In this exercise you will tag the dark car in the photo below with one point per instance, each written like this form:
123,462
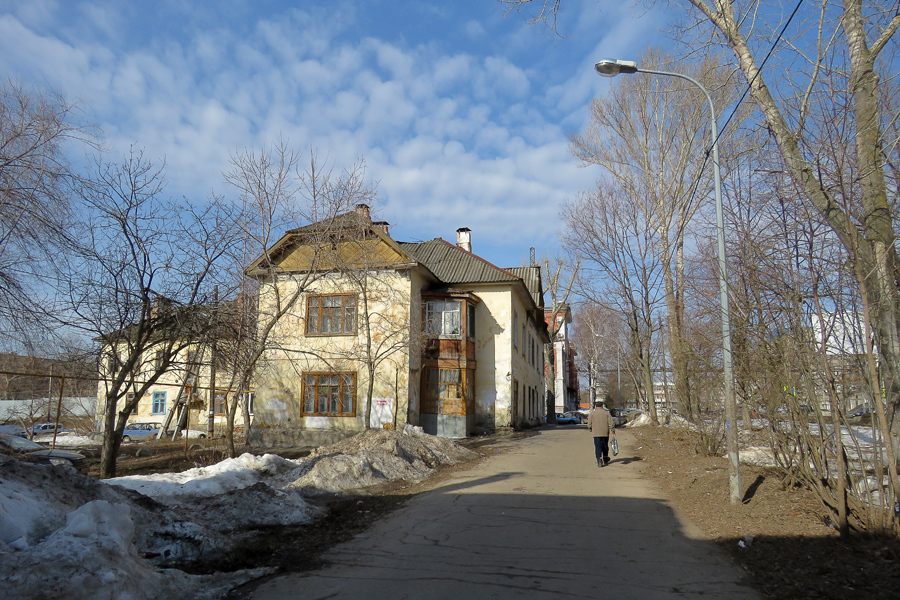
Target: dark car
563,419
861,412
25,448
16,430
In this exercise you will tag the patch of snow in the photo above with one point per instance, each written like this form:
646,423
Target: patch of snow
66,440
754,455
642,420
93,557
62,533
230,474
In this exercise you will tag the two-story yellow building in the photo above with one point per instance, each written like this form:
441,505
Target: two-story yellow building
388,333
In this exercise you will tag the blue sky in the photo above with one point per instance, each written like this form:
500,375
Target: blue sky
460,114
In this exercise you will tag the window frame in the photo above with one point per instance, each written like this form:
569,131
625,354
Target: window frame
345,380
223,394
448,384
158,399
432,316
346,321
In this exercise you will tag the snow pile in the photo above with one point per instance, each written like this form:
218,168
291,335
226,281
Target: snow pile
65,535
642,420
230,474
66,440
755,455
93,556
376,457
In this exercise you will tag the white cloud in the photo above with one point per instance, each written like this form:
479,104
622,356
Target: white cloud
470,135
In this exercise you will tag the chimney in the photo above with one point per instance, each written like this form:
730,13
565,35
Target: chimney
464,238
383,226
362,210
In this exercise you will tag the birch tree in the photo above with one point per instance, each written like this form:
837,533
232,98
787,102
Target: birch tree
649,134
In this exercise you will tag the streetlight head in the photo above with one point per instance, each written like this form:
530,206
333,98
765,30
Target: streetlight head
610,67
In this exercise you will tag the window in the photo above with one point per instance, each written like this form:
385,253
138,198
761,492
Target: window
159,403
515,330
331,315
470,321
443,391
442,318
329,394
219,403
250,397
523,339
158,360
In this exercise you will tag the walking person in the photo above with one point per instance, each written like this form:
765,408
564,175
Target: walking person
601,425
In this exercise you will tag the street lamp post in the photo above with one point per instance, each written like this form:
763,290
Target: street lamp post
611,68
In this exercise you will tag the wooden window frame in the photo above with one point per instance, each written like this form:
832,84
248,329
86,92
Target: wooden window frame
453,382
311,398
430,318
223,394
316,314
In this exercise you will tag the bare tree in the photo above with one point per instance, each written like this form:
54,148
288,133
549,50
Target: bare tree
138,283
560,281
619,269
36,183
648,133
275,192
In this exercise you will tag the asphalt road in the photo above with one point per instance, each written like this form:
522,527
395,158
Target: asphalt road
537,519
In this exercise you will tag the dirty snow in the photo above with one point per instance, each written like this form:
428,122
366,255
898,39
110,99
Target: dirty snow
64,535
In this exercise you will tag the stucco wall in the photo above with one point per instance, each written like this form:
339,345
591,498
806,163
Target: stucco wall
278,398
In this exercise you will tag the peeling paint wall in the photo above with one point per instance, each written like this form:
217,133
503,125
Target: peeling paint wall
279,403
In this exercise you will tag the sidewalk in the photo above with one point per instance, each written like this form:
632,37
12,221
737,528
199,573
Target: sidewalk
537,519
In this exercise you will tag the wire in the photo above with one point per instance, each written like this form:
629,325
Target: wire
762,65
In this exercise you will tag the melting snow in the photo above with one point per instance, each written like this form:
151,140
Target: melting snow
64,535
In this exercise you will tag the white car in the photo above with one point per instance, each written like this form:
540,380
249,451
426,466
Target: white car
45,429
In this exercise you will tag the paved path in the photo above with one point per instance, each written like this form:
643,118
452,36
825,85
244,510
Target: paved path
539,520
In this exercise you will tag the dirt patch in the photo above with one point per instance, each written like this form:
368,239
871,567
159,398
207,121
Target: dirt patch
777,534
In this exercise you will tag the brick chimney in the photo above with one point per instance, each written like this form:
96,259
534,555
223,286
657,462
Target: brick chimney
362,210
464,238
383,226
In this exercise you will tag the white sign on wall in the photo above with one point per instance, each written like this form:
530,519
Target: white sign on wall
382,412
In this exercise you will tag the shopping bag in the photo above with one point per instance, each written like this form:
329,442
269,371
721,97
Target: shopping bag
614,445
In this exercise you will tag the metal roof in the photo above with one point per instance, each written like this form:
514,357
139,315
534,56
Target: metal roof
451,264
532,278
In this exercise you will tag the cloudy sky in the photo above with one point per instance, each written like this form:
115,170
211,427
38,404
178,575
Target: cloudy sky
460,114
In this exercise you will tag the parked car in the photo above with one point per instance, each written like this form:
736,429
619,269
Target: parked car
619,415
574,413
45,429
563,419
862,411
25,448
140,431
16,430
